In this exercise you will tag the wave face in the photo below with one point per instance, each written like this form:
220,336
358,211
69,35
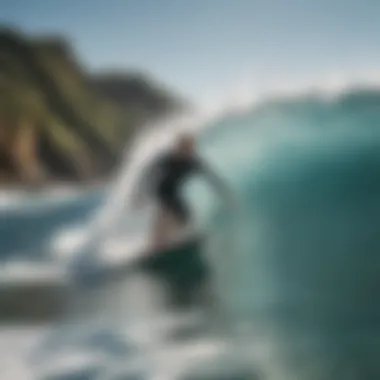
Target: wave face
300,263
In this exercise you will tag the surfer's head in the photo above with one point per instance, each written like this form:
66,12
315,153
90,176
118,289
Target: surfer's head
186,144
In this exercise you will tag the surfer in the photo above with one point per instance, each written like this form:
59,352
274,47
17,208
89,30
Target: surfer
163,182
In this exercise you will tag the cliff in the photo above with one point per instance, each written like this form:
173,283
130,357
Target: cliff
57,122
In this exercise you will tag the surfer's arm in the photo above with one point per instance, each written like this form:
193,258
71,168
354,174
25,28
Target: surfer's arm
217,183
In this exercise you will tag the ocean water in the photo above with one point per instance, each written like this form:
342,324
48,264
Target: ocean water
294,271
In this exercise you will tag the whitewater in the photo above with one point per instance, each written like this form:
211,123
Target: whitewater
296,269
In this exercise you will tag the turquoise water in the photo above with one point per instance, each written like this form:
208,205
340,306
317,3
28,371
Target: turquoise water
295,269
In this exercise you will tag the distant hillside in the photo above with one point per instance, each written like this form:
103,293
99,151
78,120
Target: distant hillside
59,123
136,91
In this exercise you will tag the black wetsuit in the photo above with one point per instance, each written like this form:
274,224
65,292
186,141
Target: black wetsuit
166,178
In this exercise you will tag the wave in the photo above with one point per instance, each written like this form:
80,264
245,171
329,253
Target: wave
305,248
299,262
234,136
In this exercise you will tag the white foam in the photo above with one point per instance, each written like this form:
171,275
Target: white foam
67,242
123,250
10,200
26,273
71,363
16,343
251,89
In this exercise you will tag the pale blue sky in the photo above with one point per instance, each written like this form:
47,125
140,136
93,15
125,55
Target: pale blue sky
202,46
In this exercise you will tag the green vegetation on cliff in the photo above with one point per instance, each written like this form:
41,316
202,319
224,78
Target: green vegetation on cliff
59,123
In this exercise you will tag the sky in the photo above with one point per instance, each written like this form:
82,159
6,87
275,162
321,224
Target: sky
207,49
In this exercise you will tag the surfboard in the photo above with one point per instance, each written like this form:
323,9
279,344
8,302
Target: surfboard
182,256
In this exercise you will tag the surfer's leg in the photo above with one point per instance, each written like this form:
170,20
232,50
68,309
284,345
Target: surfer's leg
172,217
161,228
180,215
